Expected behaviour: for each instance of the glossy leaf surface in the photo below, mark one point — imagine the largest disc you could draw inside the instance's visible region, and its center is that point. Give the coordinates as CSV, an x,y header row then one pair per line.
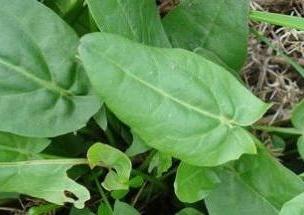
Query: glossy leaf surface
x,y
181,90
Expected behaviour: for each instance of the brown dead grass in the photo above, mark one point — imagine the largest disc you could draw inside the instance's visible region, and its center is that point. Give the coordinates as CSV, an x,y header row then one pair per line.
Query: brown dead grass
x,y
267,74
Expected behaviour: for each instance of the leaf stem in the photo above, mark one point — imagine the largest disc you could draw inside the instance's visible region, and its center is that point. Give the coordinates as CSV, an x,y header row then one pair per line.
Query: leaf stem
x,y
102,194
293,131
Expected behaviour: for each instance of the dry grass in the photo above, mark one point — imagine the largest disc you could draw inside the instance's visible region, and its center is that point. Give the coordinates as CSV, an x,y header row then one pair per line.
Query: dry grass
x,y
267,74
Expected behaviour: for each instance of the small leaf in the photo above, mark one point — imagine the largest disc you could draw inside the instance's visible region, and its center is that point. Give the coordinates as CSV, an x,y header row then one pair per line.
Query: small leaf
x,y
107,156
221,27
181,90
119,194
298,121
42,209
294,207
101,118
298,116
189,211
103,209
137,147
84,211
136,182
121,208
43,89
162,162
137,20
193,183
300,146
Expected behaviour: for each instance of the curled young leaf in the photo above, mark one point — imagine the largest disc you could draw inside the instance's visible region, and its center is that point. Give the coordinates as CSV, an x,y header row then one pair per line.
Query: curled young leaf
x,y
116,161
176,101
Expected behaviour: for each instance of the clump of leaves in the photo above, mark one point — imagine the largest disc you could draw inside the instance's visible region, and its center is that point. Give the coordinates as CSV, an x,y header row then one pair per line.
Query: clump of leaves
x,y
139,106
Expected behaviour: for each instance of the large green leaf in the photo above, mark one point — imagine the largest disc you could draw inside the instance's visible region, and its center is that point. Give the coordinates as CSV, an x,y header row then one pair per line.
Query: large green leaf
x,y
220,27
294,207
43,92
137,20
193,183
175,100
258,185
107,156
23,170
17,148
46,179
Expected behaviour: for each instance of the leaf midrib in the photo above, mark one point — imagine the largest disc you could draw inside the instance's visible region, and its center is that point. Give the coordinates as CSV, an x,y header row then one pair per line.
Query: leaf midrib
x,y
223,120
44,162
43,83
256,192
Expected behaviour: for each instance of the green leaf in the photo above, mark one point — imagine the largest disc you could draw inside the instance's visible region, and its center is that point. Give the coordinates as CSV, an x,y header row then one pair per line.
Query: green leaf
x,y
119,194
298,121
220,27
46,179
193,183
137,147
278,19
162,162
164,95
136,182
103,209
84,211
189,211
300,146
137,20
23,170
293,207
101,118
121,208
17,148
42,209
298,116
258,185
43,92
107,156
